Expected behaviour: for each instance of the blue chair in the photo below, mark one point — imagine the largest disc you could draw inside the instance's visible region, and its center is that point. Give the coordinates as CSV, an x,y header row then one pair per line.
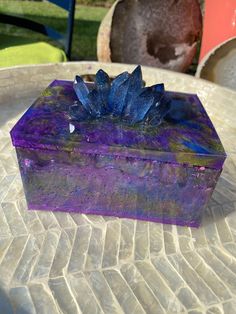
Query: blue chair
x,y
16,52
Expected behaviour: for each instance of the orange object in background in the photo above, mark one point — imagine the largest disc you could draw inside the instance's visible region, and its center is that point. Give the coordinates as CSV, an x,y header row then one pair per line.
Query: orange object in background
x,y
217,62
219,24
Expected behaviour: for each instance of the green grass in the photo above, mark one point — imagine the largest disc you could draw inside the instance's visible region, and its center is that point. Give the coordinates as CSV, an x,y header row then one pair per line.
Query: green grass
x,y
87,21
106,3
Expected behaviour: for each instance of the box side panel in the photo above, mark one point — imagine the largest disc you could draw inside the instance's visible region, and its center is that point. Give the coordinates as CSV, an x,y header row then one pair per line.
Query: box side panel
x,y
115,186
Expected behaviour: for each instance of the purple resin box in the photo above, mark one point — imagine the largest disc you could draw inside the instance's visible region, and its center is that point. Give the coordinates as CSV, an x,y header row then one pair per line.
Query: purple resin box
x,y
164,173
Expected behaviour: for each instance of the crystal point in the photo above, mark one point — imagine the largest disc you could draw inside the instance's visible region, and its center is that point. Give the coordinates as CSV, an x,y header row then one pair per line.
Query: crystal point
x,y
136,75
135,83
82,92
141,105
102,80
158,87
120,99
96,104
102,85
134,88
114,91
158,111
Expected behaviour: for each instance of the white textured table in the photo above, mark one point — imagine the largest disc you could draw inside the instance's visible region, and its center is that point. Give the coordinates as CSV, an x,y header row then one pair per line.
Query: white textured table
x,y
62,263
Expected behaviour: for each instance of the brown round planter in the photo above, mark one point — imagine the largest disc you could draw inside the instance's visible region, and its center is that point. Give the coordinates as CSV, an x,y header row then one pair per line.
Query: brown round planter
x,y
151,32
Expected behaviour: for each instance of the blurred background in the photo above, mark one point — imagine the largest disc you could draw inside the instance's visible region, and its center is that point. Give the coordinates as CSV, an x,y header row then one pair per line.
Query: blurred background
x,y
87,18
193,36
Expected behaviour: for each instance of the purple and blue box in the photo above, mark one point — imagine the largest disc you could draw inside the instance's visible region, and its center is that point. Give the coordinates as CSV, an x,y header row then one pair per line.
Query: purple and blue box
x,y
118,149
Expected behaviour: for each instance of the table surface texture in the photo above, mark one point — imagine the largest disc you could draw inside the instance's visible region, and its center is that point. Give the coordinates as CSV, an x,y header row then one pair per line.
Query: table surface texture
x,y
71,263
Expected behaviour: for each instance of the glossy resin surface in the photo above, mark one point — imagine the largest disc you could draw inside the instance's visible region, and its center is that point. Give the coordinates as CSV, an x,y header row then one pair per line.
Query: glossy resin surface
x,y
105,166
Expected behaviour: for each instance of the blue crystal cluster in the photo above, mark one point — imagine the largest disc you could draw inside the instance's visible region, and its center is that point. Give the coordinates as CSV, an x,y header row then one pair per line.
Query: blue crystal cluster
x,y
125,97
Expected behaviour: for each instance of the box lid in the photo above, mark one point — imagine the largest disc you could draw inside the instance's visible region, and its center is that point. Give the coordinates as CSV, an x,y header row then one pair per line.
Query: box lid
x,y
47,125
